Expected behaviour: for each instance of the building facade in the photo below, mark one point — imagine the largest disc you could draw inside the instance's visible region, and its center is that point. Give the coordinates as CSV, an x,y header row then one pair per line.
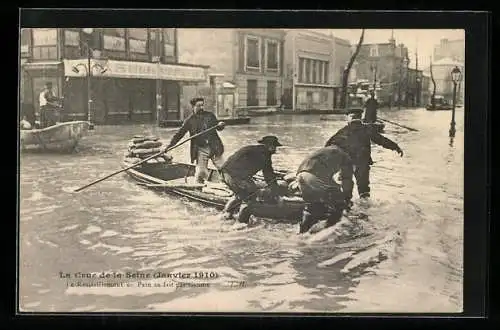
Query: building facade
x,y
441,71
453,49
311,79
130,69
248,61
388,63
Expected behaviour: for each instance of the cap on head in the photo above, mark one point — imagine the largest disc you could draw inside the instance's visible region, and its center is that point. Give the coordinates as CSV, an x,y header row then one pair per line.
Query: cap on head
x,y
194,100
48,84
355,114
270,140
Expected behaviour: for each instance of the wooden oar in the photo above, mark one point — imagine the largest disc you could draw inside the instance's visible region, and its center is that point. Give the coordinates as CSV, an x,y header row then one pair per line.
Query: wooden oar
x,y
220,124
403,126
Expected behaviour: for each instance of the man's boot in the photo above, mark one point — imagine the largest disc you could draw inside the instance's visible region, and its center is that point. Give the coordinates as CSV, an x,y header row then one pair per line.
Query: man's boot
x,y
230,208
334,215
244,214
307,222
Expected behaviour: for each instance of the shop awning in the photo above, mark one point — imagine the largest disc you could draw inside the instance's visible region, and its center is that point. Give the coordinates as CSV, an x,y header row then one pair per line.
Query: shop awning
x,y
48,65
136,70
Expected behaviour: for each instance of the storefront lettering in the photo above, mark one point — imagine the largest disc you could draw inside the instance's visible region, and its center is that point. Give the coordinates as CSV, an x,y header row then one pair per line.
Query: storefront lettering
x,y
137,46
71,38
114,43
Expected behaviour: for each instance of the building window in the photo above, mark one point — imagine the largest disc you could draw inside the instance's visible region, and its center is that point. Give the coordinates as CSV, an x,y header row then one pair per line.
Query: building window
x,y
252,52
138,40
114,39
169,42
272,55
326,66
301,69
374,51
25,41
315,76
72,38
307,71
252,99
271,92
45,44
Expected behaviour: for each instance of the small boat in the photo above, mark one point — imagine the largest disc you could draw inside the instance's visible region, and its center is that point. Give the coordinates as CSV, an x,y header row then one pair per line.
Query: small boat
x,y
177,179
261,112
440,103
61,137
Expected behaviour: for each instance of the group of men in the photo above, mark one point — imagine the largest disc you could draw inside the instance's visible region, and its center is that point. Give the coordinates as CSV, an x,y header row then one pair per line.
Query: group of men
x,y
347,153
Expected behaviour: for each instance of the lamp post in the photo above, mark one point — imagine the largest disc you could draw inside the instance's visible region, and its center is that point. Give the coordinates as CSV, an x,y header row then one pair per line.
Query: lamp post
x,y
88,35
417,97
456,77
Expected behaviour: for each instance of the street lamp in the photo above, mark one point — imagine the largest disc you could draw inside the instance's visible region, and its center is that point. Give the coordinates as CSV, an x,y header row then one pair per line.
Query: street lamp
x,y
418,90
456,77
88,36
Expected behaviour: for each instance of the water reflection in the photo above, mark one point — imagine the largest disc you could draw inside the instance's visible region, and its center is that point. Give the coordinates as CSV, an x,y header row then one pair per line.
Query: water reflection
x,y
402,251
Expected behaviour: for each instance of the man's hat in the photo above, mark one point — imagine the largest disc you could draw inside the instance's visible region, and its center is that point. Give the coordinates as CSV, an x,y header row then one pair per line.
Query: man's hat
x,y
355,113
196,99
270,140
48,84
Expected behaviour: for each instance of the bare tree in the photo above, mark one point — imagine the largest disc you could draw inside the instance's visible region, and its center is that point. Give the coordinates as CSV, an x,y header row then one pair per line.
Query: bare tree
x,y
433,100
347,71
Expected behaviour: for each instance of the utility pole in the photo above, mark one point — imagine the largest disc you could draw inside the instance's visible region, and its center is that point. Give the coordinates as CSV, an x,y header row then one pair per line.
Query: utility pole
x,y
399,82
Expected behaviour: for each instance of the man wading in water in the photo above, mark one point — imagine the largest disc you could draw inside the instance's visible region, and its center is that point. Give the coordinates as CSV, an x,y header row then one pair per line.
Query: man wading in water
x,y
323,196
204,147
355,139
237,173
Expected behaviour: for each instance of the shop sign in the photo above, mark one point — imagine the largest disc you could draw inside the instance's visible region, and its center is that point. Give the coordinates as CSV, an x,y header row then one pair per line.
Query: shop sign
x,y
137,46
114,43
141,70
71,38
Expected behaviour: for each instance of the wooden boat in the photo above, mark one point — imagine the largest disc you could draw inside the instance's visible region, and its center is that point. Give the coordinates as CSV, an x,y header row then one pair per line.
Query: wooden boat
x,y
439,104
62,137
176,179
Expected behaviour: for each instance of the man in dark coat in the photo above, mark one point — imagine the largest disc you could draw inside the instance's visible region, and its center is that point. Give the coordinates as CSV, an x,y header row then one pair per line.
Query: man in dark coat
x,y
49,113
206,146
238,171
371,107
355,139
324,196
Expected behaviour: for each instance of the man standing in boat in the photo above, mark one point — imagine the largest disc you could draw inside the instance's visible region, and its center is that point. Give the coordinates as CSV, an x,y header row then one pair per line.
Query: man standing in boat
x,y
371,107
324,196
238,171
355,139
206,146
49,109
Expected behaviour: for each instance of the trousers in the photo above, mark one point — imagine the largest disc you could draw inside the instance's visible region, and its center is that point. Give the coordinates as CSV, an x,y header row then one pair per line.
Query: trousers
x,y
201,171
362,175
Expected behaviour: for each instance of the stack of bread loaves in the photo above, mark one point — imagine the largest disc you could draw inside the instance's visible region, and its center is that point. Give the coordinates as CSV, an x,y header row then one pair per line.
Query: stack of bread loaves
x,y
142,147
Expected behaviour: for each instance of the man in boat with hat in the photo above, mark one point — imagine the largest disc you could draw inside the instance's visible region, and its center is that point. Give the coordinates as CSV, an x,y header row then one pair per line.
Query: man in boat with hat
x,y
206,146
355,139
323,196
238,171
49,108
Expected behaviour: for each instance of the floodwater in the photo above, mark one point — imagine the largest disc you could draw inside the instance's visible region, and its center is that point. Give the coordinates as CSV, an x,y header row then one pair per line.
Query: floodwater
x,y
404,255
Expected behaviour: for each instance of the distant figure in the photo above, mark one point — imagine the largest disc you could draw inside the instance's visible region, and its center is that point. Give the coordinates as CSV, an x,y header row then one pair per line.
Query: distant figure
x,y
205,147
371,106
25,124
355,138
323,196
237,173
49,109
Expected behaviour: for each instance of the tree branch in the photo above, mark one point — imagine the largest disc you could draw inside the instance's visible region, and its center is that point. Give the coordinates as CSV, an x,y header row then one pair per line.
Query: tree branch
x,y
347,71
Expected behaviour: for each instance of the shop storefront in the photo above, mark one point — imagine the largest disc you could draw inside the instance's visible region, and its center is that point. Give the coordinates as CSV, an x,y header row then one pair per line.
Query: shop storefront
x,y
314,97
126,91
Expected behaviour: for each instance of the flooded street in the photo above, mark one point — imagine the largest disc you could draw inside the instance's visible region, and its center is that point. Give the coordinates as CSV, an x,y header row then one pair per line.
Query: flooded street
x,y
406,256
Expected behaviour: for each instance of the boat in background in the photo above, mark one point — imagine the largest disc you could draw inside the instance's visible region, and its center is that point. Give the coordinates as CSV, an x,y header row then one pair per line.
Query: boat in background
x,y
440,103
61,137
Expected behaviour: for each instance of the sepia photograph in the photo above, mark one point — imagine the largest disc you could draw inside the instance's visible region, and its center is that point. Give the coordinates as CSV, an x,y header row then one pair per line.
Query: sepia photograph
x,y
241,170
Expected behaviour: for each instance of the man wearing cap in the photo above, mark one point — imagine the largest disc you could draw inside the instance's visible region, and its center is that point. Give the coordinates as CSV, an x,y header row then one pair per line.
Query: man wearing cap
x,y
355,138
238,171
324,196
206,146
49,109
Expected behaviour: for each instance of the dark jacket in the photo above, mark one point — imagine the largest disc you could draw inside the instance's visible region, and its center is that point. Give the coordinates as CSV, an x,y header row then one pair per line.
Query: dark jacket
x,y
326,162
356,139
249,160
371,106
196,123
